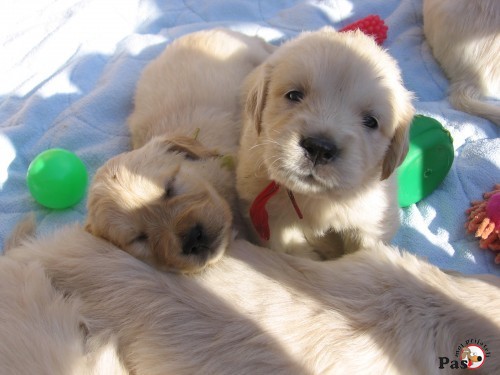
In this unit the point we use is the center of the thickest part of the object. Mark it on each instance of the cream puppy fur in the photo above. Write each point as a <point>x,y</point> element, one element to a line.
<point>193,86</point>
<point>42,331</point>
<point>464,36</point>
<point>157,204</point>
<point>169,201</point>
<point>327,118</point>
<point>257,311</point>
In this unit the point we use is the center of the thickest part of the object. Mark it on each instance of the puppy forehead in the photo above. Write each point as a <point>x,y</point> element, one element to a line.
<point>314,63</point>
<point>137,166</point>
<point>341,75</point>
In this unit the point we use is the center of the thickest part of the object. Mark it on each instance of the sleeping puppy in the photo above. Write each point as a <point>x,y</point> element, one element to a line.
<point>257,311</point>
<point>327,119</point>
<point>157,203</point>
<point>464,36</point>
<point>192,89</point>
<point>169,202</point>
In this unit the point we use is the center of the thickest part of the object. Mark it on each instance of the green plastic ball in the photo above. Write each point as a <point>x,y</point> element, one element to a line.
<point>57,178</point>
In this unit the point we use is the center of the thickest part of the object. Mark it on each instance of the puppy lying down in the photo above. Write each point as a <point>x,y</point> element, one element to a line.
<point>464,36</point>
<point>169,201</point>
<point>43,331</point>
<point>155,203</point>
<point>377,311</point>
<point>326,118</point>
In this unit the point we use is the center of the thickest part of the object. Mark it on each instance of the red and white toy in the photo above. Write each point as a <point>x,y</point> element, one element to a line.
<point>484,221</point>
<point>371,25</point>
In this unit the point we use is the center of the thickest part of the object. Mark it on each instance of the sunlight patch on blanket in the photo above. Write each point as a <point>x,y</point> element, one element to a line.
<point>337,10</point>
<point>7,156</point>
<point>51,35</point>
<point>269,34</point>
<point>60,84</point>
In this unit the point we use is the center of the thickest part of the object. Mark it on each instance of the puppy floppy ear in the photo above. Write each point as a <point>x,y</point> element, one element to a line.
<point>255,94</point>
<point>190,147</point>
<point>398,148</point>
<point>88,228</point>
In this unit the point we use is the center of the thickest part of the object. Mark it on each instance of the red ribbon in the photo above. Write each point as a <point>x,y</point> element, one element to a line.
<point>258,212</point>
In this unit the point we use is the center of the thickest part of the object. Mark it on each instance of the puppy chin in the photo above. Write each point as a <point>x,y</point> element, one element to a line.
<point>297,173</point>
<point>219,250</point>
<point>188,266</point>
<point>300,181</point>
<point>313,184</point>
<point>197,263</point>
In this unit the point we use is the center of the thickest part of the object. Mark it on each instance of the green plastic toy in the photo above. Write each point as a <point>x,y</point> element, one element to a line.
<point>57,178</point>
<point>429,160</point>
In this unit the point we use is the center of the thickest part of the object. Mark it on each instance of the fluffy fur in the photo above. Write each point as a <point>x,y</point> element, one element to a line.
<point>168,202</point>
<point>42,331</point>
<point>377,311</point>
<point>465,39</point>
<point>326,117</point>
<point>155,203</point>
<point>194,85</point>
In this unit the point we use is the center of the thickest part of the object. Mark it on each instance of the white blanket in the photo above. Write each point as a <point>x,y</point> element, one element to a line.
<point>69,67</point>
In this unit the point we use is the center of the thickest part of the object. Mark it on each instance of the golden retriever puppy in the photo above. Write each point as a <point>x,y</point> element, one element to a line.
<point>464,36</point>
<point>327,119</point>
<point>42,331</point>
<point>169,201</point>
<point>257,311</point>
<point>157,204</point>
<point>193,87</point>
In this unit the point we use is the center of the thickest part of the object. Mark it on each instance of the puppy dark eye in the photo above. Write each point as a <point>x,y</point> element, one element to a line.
<point>294,96</point>
<point>370,122</point>
<point>169,190</point>
<point>143,237</point>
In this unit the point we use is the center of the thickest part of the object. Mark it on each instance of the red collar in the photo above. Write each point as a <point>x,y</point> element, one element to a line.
<point>258,212</point>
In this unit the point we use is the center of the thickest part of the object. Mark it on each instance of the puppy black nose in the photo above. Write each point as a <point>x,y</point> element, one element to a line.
<point>195,242</point>
<point>318,150</point>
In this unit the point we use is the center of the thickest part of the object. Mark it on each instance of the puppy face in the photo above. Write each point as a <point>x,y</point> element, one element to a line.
<point>330,111</point>
<point>154,203</point>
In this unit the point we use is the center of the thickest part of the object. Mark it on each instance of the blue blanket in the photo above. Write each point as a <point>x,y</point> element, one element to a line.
<point>69,69</point>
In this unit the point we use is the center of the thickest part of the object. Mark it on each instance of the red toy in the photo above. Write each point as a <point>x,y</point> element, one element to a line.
<point>371,25</point>
<point>484,221</point>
